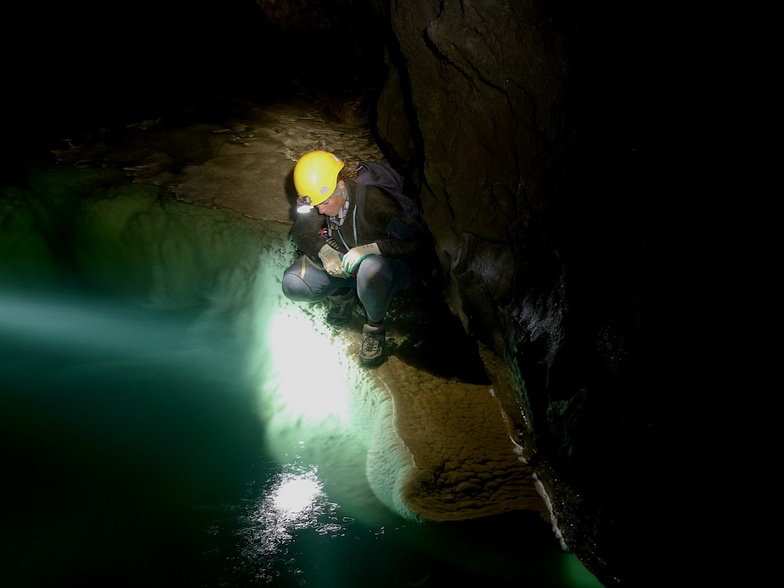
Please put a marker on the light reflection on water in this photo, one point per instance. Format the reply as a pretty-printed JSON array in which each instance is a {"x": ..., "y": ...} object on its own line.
[{"x": 295, "y": 502}]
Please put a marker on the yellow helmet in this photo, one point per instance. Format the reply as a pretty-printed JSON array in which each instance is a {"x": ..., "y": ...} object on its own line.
[{"x": 316, "y": 176}]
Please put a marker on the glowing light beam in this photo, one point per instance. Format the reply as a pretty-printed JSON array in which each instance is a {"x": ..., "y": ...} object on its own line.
[{"x": 312, "y": 381}]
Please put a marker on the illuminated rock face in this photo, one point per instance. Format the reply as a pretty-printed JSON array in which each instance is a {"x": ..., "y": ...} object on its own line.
[
  {"x": 457, "y": 457},
  {"x": 467, "y": 464}
]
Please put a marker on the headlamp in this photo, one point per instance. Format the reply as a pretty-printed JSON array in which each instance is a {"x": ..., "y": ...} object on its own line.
[{"x": 303, "y": 204}]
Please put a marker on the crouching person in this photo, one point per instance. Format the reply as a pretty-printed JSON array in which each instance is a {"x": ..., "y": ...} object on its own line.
[{"x": 356, "y": 244}]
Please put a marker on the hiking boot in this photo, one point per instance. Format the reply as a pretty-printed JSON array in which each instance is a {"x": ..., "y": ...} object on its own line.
[
  {"x": 372, "y": 351},
  {"x": 342, "y": 307}
]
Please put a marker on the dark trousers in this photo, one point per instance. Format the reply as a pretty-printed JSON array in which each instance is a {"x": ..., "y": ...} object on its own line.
[{"x": 378, "y": 280}]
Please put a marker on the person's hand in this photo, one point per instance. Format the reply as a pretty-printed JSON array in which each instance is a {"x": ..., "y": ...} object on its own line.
[
  {"x": 330, "y": 259},
  {"x": 355, "y": 255}
]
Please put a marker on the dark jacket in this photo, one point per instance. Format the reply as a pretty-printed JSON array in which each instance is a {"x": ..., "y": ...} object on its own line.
[{"x": 379, "y": 220}]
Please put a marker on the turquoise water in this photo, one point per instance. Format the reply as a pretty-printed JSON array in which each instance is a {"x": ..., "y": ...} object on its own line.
[{"x": 144, "y": 433}]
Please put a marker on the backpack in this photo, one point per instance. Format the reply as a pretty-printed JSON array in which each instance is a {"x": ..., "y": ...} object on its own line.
[{"x": 373, "y": 173}]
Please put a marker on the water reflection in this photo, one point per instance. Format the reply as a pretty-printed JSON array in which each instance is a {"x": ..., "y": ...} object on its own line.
[{"x": 294, "y": 502}]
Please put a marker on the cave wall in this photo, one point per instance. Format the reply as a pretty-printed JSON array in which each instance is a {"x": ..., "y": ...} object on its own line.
[
  {"x": 493, "y": 88},
  {"x": 488, "y": 87}
]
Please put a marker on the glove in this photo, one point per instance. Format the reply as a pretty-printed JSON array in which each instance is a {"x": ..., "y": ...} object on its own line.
[
  {"x": 330, "y": 259},
  {"x": 355, "y": 255}
]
